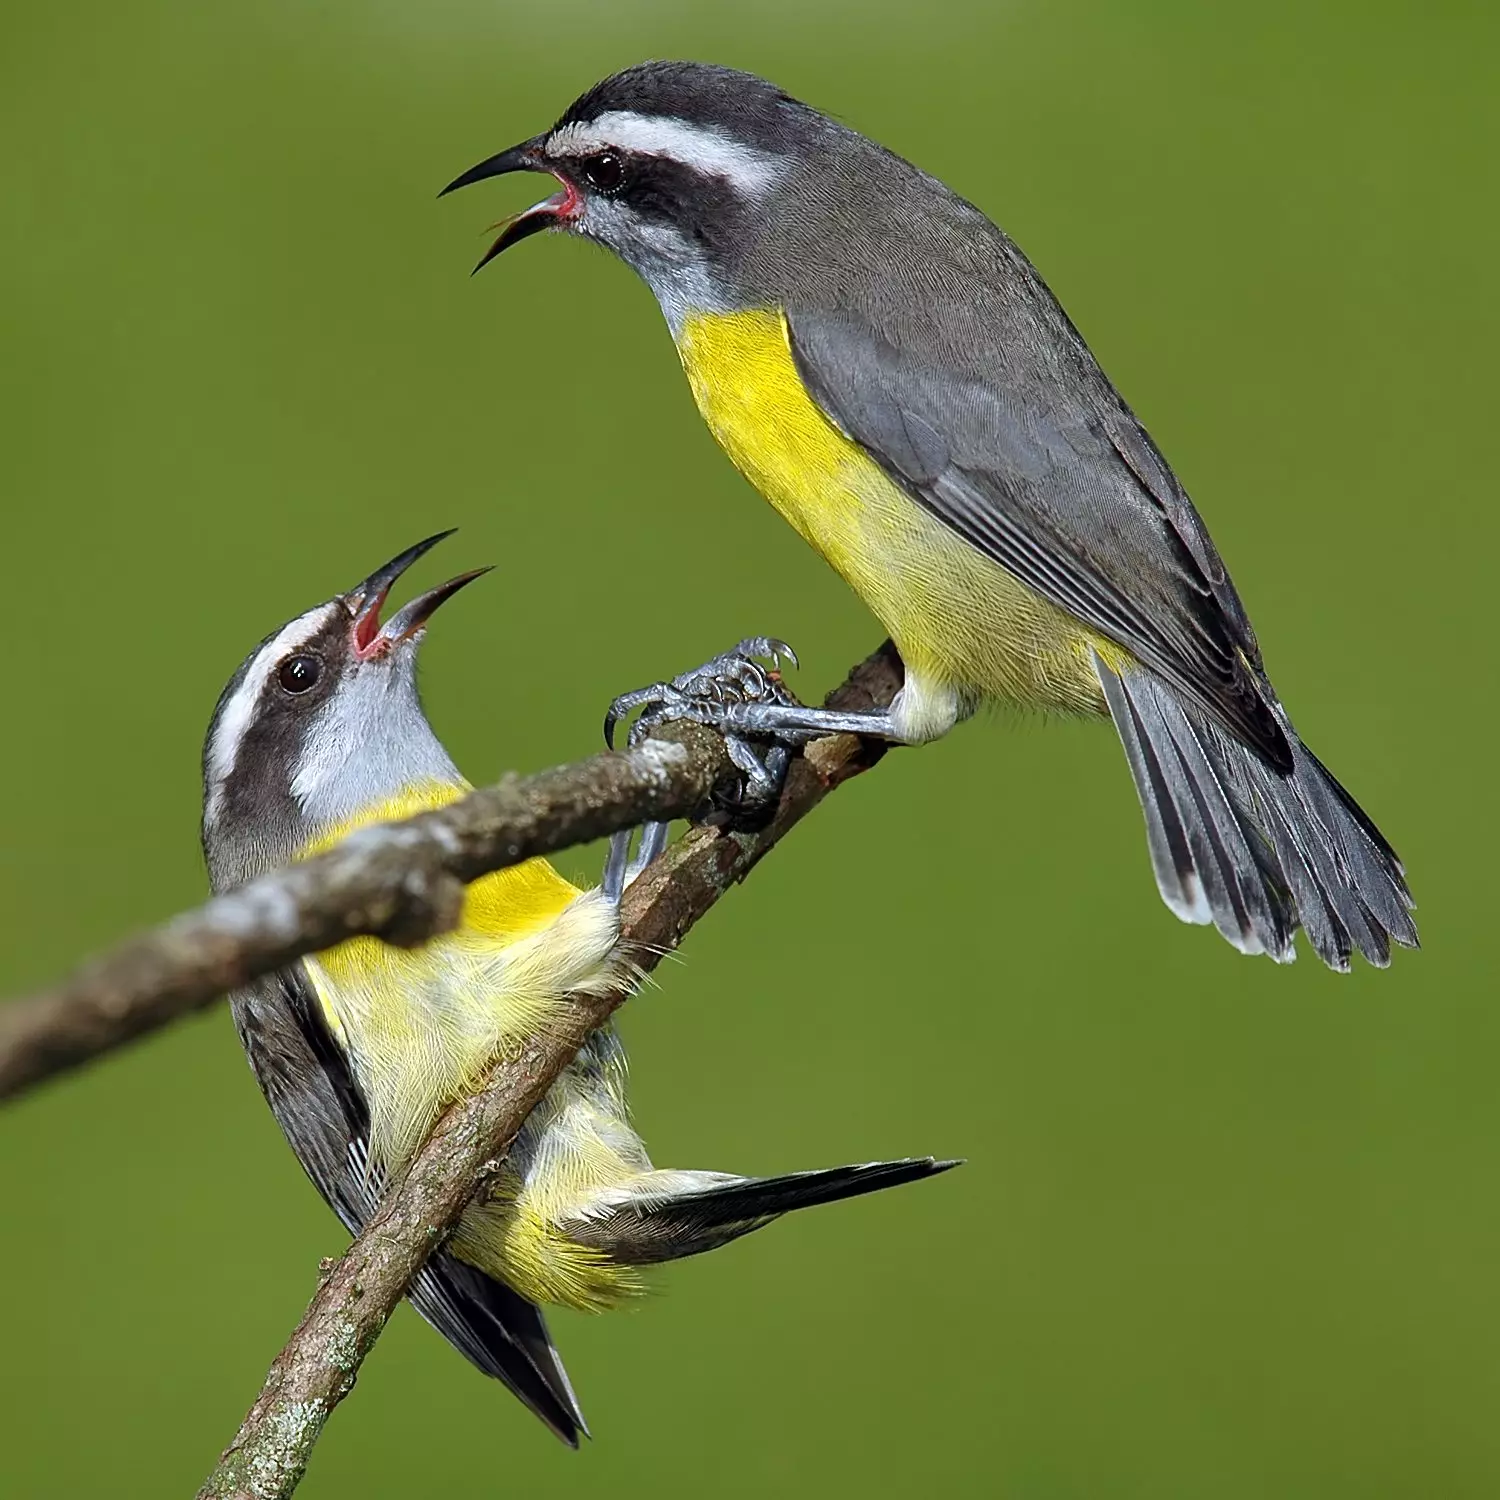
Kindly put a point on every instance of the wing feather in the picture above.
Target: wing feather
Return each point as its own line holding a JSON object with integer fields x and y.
{"x": 308, "y": 1084}
{"x": 1038, "y": 463}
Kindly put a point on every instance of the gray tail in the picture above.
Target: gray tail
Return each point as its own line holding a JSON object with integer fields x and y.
{"x": 504, "y": 1335}
{"x": 655, "y": 1228}
{"x": 1256, "y": 851}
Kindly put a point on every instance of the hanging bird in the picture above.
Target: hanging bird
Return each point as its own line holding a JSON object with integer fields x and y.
{"x": 321, "y": 732}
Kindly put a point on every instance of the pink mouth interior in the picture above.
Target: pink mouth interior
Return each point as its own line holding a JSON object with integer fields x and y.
{"x": 563, "y": 204}
{"x": 367, "y": 624}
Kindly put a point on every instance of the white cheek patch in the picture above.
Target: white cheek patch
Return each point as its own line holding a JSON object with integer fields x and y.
{"x": 239, "y": 712}
{"x": 703, "y": 148}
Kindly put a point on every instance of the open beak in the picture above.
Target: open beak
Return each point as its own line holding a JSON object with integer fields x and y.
{"x": 365, "y": 600}
{"x": 561, "y": 208}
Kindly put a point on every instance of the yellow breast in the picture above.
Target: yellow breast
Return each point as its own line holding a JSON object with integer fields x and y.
{"x": 421, "y": 1025}
{"x": 958, "y": 619}
{"x": 504, "y": 905}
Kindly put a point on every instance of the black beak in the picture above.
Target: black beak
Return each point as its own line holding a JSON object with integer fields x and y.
{"x": 367, "y": 597}
{"x": 522, "y": 158}
{"x": 410, "y": 618}
{"x": 527, "y": 157}
{"x": 364, "y": 601}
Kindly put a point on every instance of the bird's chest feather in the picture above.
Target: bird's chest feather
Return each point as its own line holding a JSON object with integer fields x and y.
{"x": 957, "y": 617}
{"x": 748, "y": 390}
{"x": 421, "y": 1025}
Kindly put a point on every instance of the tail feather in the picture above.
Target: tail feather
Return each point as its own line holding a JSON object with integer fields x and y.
{"x": 763, "y": 1197}
{"x": 1314, "y": 907}
{"x": 503, "y": 1335}
{"x": 1371, "y": 864}
{"x": 701, "y": 1211}
{"x": 1210, "y": 866}
{"x": 1254, "y": 851}
{"x": 1171, "y": 849}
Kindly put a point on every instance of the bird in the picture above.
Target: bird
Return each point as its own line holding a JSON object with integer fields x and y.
{"x": 881, "y": 362}
{"x": 321, "y": 731}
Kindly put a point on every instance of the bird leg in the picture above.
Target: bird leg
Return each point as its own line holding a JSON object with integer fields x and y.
{"x": 713, "y": 695}
{"x": 737, "y": 696}
{"x": 620, "y": 867}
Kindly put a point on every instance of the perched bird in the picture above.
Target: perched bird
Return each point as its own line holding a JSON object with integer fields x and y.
{"x": 888, "y": 369}
{"x": 357, "y": 1049}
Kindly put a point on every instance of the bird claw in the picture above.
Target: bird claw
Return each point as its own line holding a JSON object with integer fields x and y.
{"x": 706, "y": 694}
{"x": 711, "y": 695}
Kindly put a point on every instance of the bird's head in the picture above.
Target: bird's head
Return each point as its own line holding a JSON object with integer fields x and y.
{"x": 320, "y": 721}
{"x": 673, "y": 166}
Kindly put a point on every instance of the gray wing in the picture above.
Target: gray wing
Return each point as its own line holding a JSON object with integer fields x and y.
{"x": 982, "y": 400}
{"x": 306, "y": 1081}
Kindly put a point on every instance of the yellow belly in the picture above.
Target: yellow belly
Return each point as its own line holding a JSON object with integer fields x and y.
{"x": 959, "y": 620}
{"x": 519, "y": 1232}
{"x": 509, "y": 1240}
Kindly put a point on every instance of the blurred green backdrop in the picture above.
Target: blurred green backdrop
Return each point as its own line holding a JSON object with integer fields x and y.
{"x": 1225, "y": 1229}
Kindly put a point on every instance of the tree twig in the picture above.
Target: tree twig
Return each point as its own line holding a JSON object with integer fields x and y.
{"x": 402, "y": 881}
{"x": 317, "y": 1367}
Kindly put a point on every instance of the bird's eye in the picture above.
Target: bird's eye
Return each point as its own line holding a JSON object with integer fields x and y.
{"x": 604, "y": 171}
{"x": 298, "y": 673}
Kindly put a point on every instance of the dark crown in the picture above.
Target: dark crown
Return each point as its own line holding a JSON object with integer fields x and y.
{"x": 744, "y": 107}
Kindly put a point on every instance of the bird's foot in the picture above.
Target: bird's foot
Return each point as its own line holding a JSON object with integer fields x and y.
{"x": 720, "y": 694}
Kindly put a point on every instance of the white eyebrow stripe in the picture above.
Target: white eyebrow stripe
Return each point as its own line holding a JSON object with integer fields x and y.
{"x": 234, "y": 721}
{"x": 704, "y": 148}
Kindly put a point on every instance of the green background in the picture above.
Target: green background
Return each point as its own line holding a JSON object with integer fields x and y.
{"x": 1225, "y": 1229}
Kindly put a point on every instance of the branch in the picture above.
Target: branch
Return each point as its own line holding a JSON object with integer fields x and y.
{"x": 401, "y": 881}
{"x": 316, "y": 1369}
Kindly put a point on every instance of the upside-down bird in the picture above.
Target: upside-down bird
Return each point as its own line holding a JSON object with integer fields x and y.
{"x": 321, "y": 732}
